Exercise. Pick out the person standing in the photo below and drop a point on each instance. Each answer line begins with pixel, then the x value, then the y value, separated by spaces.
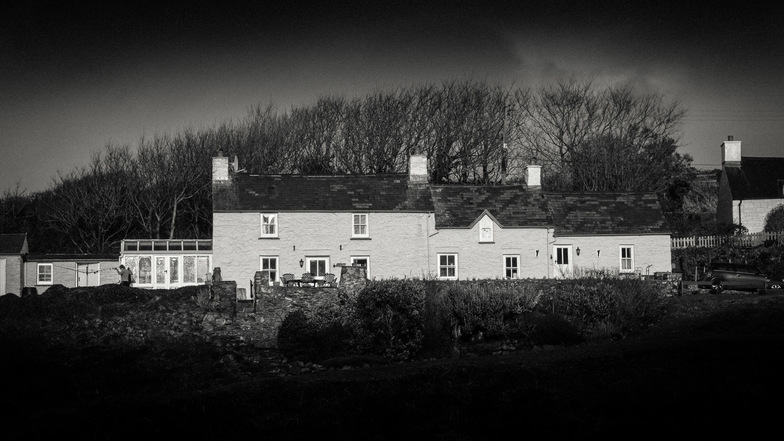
pixel 125 275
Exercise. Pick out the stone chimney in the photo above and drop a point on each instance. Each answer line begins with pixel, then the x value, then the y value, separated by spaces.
pixel 534 173
pixel 417 169
pixel 730 153
pixel 220 167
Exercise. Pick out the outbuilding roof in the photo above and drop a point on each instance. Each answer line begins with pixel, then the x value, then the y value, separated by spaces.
pixel 756 178
pixel 13 243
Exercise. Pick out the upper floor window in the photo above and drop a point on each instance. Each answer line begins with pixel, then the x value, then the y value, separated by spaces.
pixel 44 274
pixel 269 225
pixel 627 258
pixel 360 226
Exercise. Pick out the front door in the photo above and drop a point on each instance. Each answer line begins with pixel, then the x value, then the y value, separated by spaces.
pixel 88 274
pixel 562 256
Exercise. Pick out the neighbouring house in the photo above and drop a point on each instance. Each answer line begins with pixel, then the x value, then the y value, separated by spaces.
pixel 13 248
pixel 399 225
pixel 70 270
pixel 749 187
pixel 167 263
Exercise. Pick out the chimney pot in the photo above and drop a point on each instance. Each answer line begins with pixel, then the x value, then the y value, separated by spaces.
pixel 730 153
pixel 417 169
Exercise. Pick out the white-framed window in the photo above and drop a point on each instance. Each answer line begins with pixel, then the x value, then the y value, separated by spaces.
pixel 512 266
pixel 447 266
pixel 486 229
pixel 360 225
pixel 317 266
pixel 269 265
pixel 44 274
pixel 269 225
pixel 362 261
pixel 627 259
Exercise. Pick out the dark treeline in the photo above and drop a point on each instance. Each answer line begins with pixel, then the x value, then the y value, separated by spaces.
pixel 586 138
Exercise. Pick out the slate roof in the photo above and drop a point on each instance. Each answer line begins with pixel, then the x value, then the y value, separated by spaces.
pixel 13 243
pixel 459 206
pixel 454 206
pixel 321 193
pixel 606 213
pixel 756 178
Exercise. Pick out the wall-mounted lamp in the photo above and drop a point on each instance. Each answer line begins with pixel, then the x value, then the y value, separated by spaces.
pixel 598 252
pixel 341 247
pixel 578 251
pixel 301 263
pixel 294 248
pixel 537 253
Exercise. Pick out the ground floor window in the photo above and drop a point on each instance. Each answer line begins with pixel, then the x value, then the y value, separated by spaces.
pixel 44 273
pixel 317 266
pixel 362 261
pixel 512 267
pixel 269 265
pixel 447 266
pixel 627 258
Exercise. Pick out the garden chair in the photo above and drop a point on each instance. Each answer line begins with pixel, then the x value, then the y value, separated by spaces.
pixel 329 279
pixel 308 278
pixel 285 279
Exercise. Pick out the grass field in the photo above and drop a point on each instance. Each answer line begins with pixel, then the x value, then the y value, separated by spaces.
pixel 712 367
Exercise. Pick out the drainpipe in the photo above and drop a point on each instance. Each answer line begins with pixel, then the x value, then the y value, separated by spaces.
pixel 740 215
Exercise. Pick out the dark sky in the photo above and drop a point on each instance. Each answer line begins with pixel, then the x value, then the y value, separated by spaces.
pixel 74 79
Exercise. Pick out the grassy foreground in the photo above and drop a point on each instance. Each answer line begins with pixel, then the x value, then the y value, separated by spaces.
pixel 713 366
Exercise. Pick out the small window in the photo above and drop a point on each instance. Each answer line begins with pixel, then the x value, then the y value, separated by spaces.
pixel 360 226
pixel 362 261
pixel 512 267
pixel 45 274
pixel 627 259
pixel 447 266
pixel 486 229
pixel 269 225
pixel 269 265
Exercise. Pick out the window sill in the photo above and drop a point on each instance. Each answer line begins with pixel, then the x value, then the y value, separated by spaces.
pixel 486 241
pixel 268 237
pixel 361 238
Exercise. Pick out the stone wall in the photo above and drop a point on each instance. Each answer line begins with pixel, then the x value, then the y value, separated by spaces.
pixel 265 311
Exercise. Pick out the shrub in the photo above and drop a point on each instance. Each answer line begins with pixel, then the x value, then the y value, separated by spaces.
pixel 485 308
pixel 390 317
pixel 618 305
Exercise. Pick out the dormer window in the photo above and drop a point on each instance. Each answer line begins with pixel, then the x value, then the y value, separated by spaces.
pixel 486 229
pixel 269 225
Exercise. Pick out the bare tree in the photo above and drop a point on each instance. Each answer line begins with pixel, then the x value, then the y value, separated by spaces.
pixel 90 205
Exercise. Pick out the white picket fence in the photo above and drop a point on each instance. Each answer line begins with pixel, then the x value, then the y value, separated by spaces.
pixel 745 240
